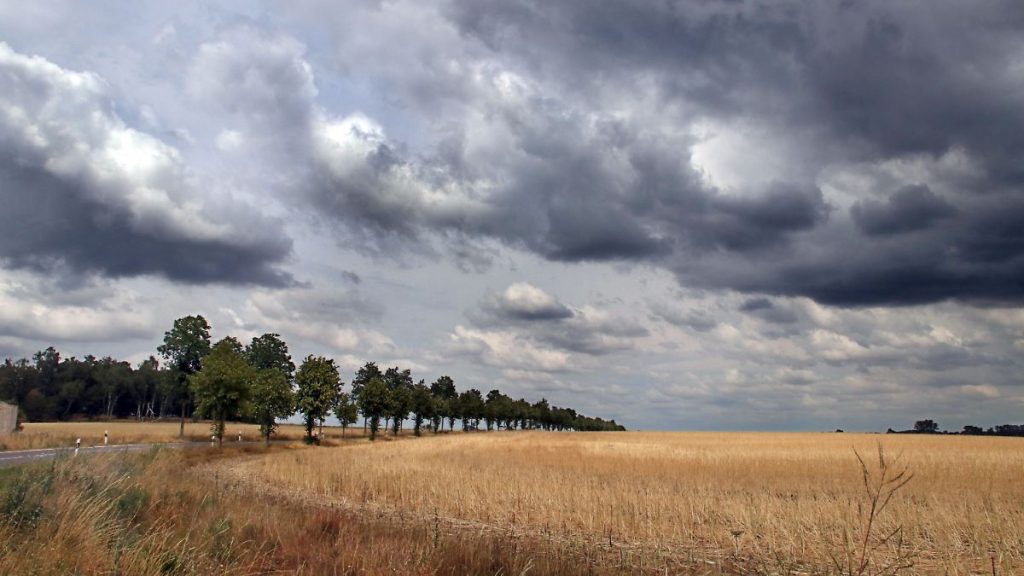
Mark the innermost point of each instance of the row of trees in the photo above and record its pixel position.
(932, 427)
(391, 396)
(258, 382)
(49, 387)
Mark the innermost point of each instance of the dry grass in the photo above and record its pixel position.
(775, 502)
(56, 434)
(169, 512)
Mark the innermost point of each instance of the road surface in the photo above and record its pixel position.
(19, 457)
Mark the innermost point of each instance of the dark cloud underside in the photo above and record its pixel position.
(47, 226)
(84, 192)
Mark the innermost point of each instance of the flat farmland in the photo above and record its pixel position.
(766, 502)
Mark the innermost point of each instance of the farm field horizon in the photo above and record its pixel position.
(650, 502)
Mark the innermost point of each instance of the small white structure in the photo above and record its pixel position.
(8, 418)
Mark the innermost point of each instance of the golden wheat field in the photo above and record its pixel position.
(779, 502)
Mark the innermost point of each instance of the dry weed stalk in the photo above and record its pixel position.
(880, 486)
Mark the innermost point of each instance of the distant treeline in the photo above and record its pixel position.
(193, 377)
(932, 427)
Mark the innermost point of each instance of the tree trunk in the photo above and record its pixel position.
(181, 430)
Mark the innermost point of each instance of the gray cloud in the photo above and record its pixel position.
(870, 81)
(580, 146)
(263, 88)
(766, 310)
(908, 209)
(536, 317)
(699, 320)
(84, 191)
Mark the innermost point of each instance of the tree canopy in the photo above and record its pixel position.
(271, 398)
(269, 351)
(221, 387)
(317, 387)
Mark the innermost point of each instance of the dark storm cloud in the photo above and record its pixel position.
(567, 129)
(571, 189)
(766, 310)
(84, 192)
(751, 224)
(908, 209)
(756, 304)
(874, 81)
(48, 225)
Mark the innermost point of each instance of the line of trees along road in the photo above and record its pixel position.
(258, 382)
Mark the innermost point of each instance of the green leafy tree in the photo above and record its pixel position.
(271, 398)
(221, 387)
(185, 345)
(399, 404)
(269, 351)
(443, 389)
(523, 412)
(542, 414)
(318, 385)
(471, 409)
(497, 408)
(423, 408)
(347, 411)
(374, 399)
(144, 385)
(114, 379)
(399, 383)
(366, 372)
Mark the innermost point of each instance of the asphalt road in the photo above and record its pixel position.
(19, 457)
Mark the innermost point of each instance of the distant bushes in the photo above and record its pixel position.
(932, 427)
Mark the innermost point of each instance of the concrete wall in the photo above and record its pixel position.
(8, 418)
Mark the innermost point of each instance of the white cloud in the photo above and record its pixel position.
(507, 350)
(62, 122)
(982, 390)
(527, 301)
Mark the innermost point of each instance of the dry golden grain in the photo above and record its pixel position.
(785, 499)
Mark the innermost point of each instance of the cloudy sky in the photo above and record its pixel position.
(681, 215)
